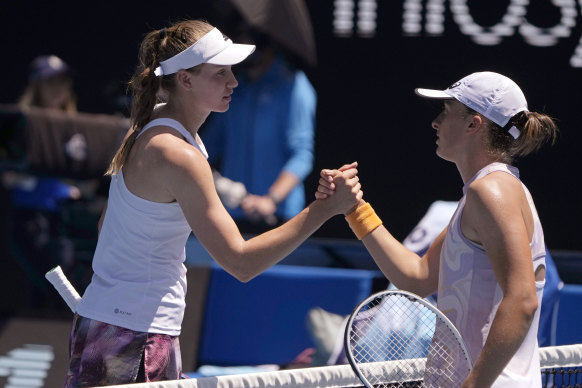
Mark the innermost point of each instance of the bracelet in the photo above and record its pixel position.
(275, 198)
(363, 221)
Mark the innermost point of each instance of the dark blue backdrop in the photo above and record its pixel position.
(367, 109)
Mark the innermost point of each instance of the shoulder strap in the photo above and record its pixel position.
(178, 127)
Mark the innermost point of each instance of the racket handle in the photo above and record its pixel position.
(64, 287)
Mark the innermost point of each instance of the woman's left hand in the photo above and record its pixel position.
(340, 189)
(326, 185)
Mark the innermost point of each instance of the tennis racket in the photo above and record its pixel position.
(397, 339)
(59, 280)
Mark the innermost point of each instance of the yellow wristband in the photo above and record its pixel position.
(363, 221)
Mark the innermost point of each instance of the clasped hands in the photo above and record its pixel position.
(341, 188)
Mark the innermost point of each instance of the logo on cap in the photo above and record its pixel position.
(456, 84)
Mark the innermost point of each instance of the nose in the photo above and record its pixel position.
(436, 121)
(232, 82)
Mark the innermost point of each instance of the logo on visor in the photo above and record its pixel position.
(456, 84)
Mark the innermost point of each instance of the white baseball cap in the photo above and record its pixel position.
(493, 95)
(211, 48)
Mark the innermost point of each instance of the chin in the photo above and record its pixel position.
(445, 157)
(440, 154)
(221, 109)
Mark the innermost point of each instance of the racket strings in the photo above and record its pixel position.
(393, 338)
(446, 363)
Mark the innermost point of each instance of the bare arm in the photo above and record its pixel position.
(400, 265)
(496, 216)
(403, 267)
(189, 180)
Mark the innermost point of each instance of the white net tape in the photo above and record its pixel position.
(337, 376)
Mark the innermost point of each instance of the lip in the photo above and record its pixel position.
(227, 98)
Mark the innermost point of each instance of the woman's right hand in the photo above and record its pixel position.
(326, 185)
(340, 189)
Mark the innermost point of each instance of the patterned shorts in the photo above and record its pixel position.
(103, 354)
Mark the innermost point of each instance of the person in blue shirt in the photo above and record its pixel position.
(265, 141)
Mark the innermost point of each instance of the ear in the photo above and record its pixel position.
(475, 124)
(184, 79)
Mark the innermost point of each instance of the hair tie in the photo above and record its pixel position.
(184, 36)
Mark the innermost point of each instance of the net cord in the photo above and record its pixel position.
(563, 356)
(334, 376)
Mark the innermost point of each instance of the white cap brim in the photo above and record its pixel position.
(211, 48)
(233, 54)
(432, 93)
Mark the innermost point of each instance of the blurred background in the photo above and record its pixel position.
(363, 57)
(370, 57)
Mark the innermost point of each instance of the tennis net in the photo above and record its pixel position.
(561, 366)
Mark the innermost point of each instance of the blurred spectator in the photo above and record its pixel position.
(35, 236)
(263, 145)
(50, 85)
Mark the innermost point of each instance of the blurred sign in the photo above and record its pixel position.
(347, 18)
(427, 18)
(34, 352)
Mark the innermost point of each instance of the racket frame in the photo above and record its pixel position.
(382, 296)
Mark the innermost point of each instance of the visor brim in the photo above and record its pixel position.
(233, 54)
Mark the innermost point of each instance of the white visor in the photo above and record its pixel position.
(211, 48)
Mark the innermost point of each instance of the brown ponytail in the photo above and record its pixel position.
(536, 129)
(145, 86)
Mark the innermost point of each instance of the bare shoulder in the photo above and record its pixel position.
(168, 151)
(497, 188)
(491, 202)
(165, 164)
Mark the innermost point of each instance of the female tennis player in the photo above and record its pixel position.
(128, 321)
(488, 265)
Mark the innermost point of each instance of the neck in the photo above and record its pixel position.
(471, 156)
(470, 166)
(191, 119)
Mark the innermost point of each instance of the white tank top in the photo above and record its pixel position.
(469, 295)
(139, 279)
